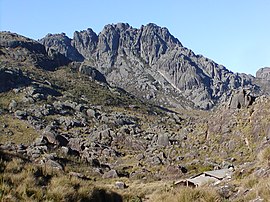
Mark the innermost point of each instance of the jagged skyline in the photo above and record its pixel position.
(232, 33)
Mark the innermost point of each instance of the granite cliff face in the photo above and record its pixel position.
(151, 63)
(62, 44)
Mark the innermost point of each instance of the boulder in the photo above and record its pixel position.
(121, 120)
(163, 140)
(12, 105)
(54, 164)
(70, 122)
(120, 185)
(104, 137)
(54, 138)
(50, 136)
(172, 170)
(140, 157)
(62, 140)
(20, 114)
(183, 169)
(36, 151)
(68, 151)
(76, 144)
(78, 175)
(110, 174)
(21, 149)
(47, 110)
(40, 141)
(156, 161)
(92, 113)
(95, 163)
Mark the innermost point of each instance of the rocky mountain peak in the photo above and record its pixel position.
(151, 63)
(119, 27)
(85, 42)
(62, 44)
(162, 32)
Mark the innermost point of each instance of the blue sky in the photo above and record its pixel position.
(235, 33)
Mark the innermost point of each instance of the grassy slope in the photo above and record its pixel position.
(24, 181)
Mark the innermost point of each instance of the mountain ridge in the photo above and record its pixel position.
(128, 56)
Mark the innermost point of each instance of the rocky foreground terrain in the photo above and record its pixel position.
(121, 116)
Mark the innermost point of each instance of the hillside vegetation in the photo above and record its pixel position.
(68, 133)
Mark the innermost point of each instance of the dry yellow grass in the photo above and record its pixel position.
(264, 156)
(25, 181)
(186, 194)
(16, 131)
(259, 190)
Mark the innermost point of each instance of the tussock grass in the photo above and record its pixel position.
(260, 190)
(25, 181)
(250, 182)
(16, 131)
(264, 156)
(186, 194)
(64, 188)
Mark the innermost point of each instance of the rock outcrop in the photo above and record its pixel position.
(263, 73)
(92, 72)
(263, 79)
(31, 51)
(62, 44)
(241, 99)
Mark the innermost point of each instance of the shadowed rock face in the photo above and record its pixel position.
(62, 44)
(85, 42)
(151, 63)
(11, 78)
(241, 99)
(30, 50)
(92, 73)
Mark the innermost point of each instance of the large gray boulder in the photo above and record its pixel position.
(110, 174)
(163, 140)
(53, 137)
(20, 114)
